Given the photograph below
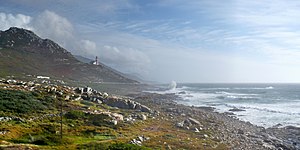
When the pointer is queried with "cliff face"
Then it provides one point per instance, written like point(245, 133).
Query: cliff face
point(23, 52)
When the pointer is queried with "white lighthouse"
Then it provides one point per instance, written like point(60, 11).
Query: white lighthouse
point(96, 61)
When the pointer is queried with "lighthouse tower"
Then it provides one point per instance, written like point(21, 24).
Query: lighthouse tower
point(96, 61)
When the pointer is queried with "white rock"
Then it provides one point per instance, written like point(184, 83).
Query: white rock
point(115, 122)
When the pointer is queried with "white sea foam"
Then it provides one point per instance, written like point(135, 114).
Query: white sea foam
point(254, 88)
point(261, 108)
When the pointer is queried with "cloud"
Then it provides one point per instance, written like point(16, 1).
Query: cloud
point(10, 20)
point(88, 47)
point(50, 25)
point(125, 59)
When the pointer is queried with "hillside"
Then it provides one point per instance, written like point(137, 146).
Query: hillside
point(135, 77)
point(23, 52)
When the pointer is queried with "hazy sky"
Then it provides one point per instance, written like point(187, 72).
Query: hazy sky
point(165, 40)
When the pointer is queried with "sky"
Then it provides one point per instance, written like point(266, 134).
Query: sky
point(203, 41)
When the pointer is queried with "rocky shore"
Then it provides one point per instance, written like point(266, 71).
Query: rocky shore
point(160, 120)
point(226, 128)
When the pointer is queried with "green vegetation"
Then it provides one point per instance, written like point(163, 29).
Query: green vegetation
point(75, 114)
point(114, 146)
point(84, 127)
point(20, 102)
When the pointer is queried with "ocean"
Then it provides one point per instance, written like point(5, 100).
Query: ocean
point(265, 105)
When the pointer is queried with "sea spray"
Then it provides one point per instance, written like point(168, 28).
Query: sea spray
point(172, 85)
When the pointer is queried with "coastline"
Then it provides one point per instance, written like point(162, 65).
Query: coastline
point(143, 119)
point(227, 128)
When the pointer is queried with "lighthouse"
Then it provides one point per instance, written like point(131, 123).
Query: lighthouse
point(96, 61)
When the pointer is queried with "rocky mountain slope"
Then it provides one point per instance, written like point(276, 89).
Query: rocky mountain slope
point(23, 52)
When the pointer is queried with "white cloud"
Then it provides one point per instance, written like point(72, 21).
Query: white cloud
point(10, 20)
point(53, 26)
point(125, 59)
point(88, 47)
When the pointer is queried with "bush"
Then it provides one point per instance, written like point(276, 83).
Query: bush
point(43, 139)
point(19, 102)
point(75, 115)
point(99, 119)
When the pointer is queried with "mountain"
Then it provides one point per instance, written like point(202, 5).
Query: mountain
point(23, 52)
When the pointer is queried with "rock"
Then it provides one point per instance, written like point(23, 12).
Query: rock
point(78, 90)
point(67, 97)
point(236, 109)
point(10, 81)
point(194, 121)
point(197, 130)
point(118, 117)
point(240, 131)
point(145, 109)
point(182, 92)
point(143, 117)
point(3, 132)
point(114, 122)
point(105, 95)
point(77, 98)
point(277, 125)
point(116, 102)
point(268, 146)
point(132, 104)
point(2, 119)
point(140, 138)
point(125, 104)
point(180, 124)
point(87, 90)
point(187, 122)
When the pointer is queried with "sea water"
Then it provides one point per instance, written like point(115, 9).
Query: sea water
point(265, 105)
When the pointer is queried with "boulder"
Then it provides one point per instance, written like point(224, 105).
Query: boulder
point(78, 90)
point(88, 90)
point(180, 124)
point(114, 122)
point(194, 121)
point(105, 95)
point(125, 104)
point(115, 102)
point(145, 109)
point(143, 117)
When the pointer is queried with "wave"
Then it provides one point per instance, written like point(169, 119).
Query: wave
point(215, 89)
point(229, 93)
point(262, 109)
point(172, 85)
point(254, 88)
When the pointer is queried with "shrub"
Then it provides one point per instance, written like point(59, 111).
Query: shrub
point(99, 119)
point(75, 115)
point(19, 102)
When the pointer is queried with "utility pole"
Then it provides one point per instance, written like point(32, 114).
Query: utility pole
point(61, 118)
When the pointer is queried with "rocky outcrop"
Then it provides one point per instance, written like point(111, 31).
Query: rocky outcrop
point(126, 104)
point(90, 94)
